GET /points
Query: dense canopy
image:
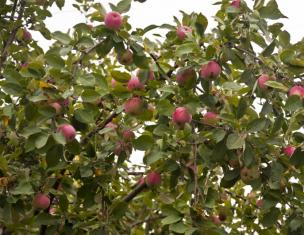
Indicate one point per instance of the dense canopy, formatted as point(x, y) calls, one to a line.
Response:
point(216, 113)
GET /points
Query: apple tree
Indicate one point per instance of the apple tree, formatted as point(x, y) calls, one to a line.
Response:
point(217, 115)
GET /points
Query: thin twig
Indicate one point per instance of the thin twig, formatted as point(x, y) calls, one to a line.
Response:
point(12, 35)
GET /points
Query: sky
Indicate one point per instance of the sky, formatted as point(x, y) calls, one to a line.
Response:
point(162, 11)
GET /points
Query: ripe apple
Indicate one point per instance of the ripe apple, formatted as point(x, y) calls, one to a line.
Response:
point(27, 36)
point(113, 20)
point(289, 150)
point(236, 3)
point(125, 58)
point(215, 219)
point(210, 118)
point(68, 131)
point(41, 201)
point(186, 78)
point(183, 31)
point(262, 80)
point(135, 84)
point(57, 106)
point(153, 178)
point(260, 203)
point(134, 106)
point(128, 135)
point(211, 70)
point(297, 90)
point(181, 116)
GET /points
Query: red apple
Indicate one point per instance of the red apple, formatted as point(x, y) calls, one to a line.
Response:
point(125, 58)
point(135, 84)
point(41, 201)
point(27, 36)
point(68, 131)
point(113, 20)
point(113, 83)
point(236, 3)
point(128, 135)
point(141, 181)
point(111, 125)
point(210, 70)
point(186, 78)
point(260, 203)
point(215, 219)
point(262, 80)
point(134, 106)
point(153, 178)
point(289, 150)
point(57, 106)
point(183, 31)
point(181, 116)
point(210, 118)
point(297, 90)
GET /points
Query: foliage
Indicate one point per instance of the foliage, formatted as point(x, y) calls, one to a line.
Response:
point(205, 165)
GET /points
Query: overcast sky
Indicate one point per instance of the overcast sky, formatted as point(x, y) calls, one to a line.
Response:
point(162, 11)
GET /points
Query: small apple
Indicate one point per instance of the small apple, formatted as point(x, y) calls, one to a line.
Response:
point(262, 80)
point(289, 150)
point(236, 3)
point(125, 58)
point(181, 116)
point(153, 179)
point(135, 84)
point(215, 219)
point(297, 90)
point(186, 78)
point(113, 20)
point(68, 131)
point(211, 70)
point(260, 203)
point(210, 118)
point(57, 106)
point(134, 106)
point(183, 31)
point(41, 201)
point(128, 135)
point(27, 36)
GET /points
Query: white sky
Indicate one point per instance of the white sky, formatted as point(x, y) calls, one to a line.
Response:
point(162, 11)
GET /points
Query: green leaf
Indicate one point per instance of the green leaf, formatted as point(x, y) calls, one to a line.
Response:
point(277, 85)
point(104, 48)
point(171, 219)
point(185, 48)
point(218, 135)
point(232, 86)
point(143, 142)
point(257, 125)
point(54, 60)
point(178, 228)
point(59, 138)
point(271, 11)
point(23, 187)
point(118, 209)
point(164, 107)
point(293, 103)
point(269, 49)
point(297, 158)
point(201, 24)
point(84, 116)
point(271, 217)
point(90, 95)
point(235, 141)
point(41, 140)
point(120, 76)
point(122, 7)
point(86, 80)
point(242, 107)
point(62, 37)
point(46, 219)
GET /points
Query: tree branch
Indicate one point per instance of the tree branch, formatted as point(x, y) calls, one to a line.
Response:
point(135, 192)
point(13, 33)
point(99, 127)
